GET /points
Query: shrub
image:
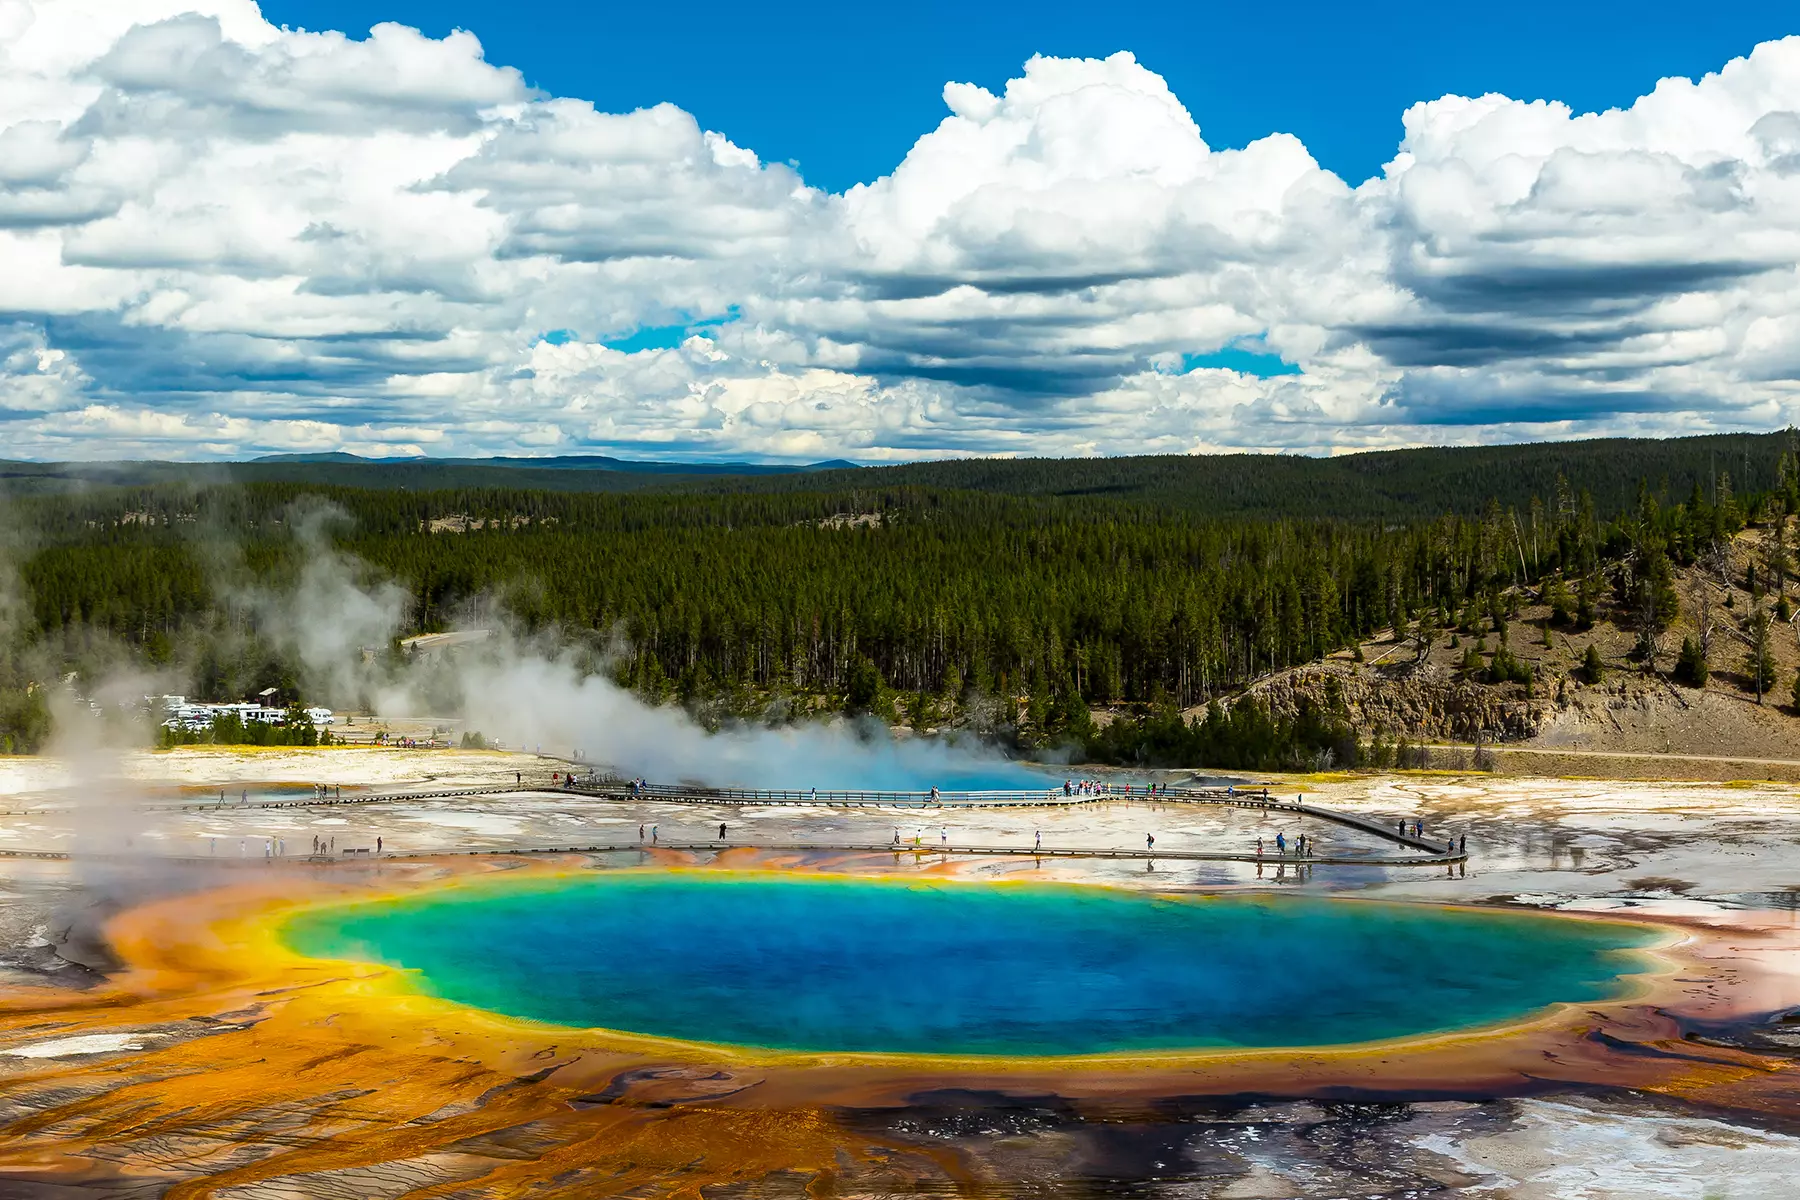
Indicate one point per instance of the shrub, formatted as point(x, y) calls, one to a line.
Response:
point(1690, 665)
point(1508, 667)
point(1562, 605)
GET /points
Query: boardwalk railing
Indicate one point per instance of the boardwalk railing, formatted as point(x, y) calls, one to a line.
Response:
point(1259, 798)
point(1229, 796)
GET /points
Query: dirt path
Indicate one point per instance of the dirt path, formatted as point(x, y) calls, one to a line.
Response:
point(1625, 764)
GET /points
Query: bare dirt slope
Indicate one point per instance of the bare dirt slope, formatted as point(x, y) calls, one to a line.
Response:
point(1633, 722)
point(1709, 722)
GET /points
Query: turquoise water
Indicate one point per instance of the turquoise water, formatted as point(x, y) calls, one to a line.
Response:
point(810, 963)
point(916, 766)
point(974, 776)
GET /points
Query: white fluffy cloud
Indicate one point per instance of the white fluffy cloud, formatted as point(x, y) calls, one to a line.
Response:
point(218, 237)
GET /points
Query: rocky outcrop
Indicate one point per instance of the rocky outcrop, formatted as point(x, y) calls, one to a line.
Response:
point(1424, 705)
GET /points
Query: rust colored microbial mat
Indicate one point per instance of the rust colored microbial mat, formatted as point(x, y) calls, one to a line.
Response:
point(455, 1029)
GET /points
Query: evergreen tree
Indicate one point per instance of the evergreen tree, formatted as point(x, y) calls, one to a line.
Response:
point(1690, 666)
point(868, 691)
point(1426, 632)
point(1759, 663)
point(1655, 603)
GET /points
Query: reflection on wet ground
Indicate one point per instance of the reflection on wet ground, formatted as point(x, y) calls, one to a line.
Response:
point(1522, 1149)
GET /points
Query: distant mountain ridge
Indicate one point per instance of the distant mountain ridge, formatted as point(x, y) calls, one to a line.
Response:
point(1381, 485)
point(574, 462)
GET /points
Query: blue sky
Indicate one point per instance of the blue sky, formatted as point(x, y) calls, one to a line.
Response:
point(845, 89)
point(1048, 230)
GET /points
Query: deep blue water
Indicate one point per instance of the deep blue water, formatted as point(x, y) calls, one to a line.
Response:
point(814, 963)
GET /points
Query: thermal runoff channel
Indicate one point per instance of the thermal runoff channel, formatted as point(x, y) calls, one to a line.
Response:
point(865, 965)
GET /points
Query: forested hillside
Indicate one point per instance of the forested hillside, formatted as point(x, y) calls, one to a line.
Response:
point(923, 601)
point(1384, 485)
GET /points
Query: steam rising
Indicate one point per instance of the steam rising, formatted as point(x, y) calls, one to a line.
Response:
point(540, 693)
point(530, 699)
point(334, 610)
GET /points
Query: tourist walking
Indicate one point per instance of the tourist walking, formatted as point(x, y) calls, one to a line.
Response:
point(721, 831)
point(1149, 841)
point(378, 845)
point(1039, 843)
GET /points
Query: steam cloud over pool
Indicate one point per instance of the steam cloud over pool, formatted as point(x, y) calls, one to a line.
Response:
point(840, 964)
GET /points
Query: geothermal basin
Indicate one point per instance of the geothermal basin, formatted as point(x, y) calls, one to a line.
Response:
point(1604, 994)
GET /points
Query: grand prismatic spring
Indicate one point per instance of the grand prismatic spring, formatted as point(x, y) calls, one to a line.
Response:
point(830, 963)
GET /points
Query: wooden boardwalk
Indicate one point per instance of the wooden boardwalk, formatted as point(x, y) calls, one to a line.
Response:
point(1423, 852)
point(903, 850)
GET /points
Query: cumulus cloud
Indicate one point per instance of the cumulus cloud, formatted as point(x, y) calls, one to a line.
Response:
point(222, 237)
